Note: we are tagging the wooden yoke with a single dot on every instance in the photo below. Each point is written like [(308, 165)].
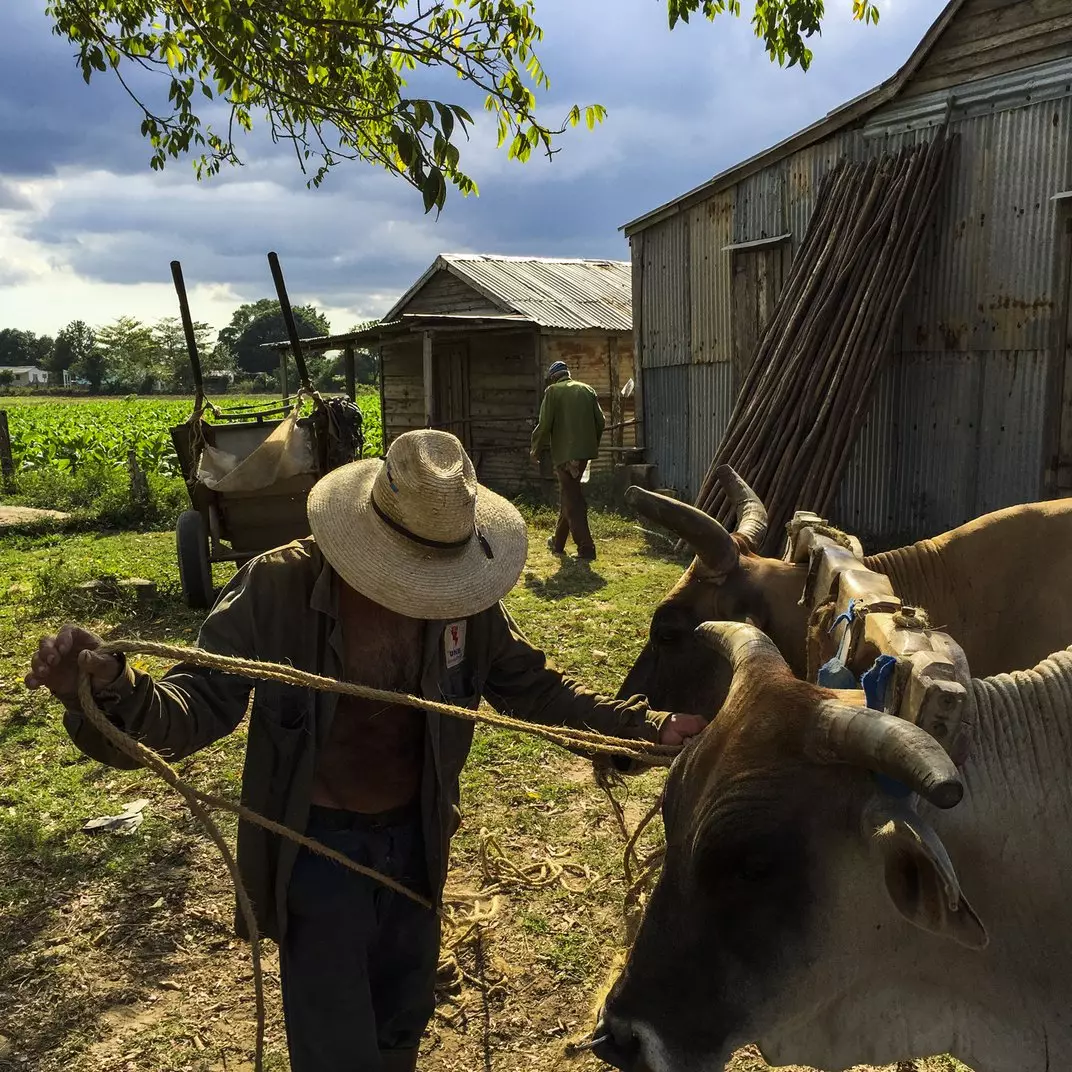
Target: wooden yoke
[(929, 685)]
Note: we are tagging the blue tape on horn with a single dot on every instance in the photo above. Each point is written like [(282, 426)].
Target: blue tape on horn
[(875, 682)]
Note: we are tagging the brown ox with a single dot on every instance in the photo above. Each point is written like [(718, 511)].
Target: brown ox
[(802, 908), (1000, 585)]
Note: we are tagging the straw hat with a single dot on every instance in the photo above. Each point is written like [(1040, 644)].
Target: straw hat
[(416, 533)]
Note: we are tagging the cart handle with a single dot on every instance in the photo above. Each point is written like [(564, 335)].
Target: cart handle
[(188, 331), (288, 319)]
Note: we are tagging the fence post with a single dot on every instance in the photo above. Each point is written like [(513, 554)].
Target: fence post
[(7, 462)]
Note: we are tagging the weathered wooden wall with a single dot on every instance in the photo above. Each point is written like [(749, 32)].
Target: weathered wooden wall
[(502, 373), (504, 400), (989, 37), (447, 294), (403, 387), (605, 363)]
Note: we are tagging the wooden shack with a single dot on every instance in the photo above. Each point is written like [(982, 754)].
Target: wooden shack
[(467, 346)]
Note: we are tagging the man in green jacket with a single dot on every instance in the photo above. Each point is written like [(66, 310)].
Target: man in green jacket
[(399, 588), (571, 425)]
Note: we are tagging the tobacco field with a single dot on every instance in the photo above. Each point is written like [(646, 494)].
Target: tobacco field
[(70, 434)]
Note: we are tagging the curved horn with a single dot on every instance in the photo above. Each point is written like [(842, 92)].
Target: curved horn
[(751, 513), (886, 745), (709, 541), (738, 642)]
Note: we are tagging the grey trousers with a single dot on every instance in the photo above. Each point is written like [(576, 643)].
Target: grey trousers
[(358, 962)]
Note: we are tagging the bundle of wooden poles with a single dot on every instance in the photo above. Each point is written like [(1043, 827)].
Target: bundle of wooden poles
[(807, 390)]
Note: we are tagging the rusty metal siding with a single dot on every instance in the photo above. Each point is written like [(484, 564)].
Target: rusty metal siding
[(710, 281), (712, 390), (986, 279), (552, 292), (948, 437), (956, 421), (666, 403), (759, 208), (665, 326)]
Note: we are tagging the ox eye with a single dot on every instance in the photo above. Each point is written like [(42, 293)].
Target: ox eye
[(669, 630)]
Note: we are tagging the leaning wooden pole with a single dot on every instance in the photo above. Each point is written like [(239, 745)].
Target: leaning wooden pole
[(807, 390)]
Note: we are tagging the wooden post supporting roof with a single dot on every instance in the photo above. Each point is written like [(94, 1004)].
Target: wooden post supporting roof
[(429, 387)]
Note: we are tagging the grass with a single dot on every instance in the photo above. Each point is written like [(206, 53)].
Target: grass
[(70, 454), (116, 954)]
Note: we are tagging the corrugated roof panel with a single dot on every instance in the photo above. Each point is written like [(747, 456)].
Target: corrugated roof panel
[(566, 294)]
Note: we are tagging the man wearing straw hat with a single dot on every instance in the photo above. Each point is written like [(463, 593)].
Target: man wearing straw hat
[(571, 425), (398, 588)]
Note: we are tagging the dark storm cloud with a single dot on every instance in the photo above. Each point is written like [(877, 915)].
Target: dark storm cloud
[(682, 107)]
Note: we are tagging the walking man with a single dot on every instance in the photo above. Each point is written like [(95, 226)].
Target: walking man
[(399, 588), (571, 425)]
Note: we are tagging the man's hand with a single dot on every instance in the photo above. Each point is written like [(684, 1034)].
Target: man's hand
[(677, 729), (56, 662)]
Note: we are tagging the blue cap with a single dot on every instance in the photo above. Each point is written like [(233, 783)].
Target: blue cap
[(558, 368)]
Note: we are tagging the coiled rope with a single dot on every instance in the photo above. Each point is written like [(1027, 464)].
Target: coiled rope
[(200, 802)]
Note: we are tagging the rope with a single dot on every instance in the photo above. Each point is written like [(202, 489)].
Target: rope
[(199, 801), (597, 743)]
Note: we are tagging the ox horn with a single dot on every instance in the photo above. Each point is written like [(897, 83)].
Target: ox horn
[(751, 513), (886, 745), (738, 642), (709, 541)]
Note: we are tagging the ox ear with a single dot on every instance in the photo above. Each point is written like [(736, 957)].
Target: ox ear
[(919, 875)]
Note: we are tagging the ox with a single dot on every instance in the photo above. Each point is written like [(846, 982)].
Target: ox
[(802, 908), (1000, 585)]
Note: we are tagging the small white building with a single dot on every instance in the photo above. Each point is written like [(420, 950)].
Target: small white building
[(25, 375)]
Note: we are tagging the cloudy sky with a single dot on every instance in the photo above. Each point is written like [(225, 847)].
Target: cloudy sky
[(87, 230)]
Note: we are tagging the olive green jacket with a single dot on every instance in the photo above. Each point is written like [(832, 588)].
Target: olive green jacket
[(571, 423), (283, 607)]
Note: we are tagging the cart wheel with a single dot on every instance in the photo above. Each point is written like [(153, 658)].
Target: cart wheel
[(195, 570)]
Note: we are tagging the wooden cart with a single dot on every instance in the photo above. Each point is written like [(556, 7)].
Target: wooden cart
[(234, 524)]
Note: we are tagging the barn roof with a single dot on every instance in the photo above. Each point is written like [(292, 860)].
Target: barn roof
[(854, 110), (553, 292)]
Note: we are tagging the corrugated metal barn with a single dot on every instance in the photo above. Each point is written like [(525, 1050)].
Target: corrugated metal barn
[(467, 346), (973, 410)]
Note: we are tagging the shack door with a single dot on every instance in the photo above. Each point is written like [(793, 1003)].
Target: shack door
[(452, 388), (758, 275)]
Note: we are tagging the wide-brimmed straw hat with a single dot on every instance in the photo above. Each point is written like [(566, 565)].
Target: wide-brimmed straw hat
[(416, 533)]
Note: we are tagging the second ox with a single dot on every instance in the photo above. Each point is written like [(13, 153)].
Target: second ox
[(1000, 585)]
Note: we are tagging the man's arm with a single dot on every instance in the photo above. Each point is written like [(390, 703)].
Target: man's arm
[(541, 434), (522, 684), (190, 707)]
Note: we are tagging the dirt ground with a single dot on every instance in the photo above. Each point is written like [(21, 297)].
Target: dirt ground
[(11, 516)]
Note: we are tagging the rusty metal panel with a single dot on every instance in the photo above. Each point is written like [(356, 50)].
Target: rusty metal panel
[(666, 301), (760, 205), (712, 391), (710, 231), (948, 437), (1011, 443), (986, 278), (553, 292), (666, 409)]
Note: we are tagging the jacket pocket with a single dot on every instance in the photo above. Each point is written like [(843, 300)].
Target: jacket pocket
[(283, 707)]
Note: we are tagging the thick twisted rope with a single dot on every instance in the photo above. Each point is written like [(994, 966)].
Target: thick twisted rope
[(199, 802)]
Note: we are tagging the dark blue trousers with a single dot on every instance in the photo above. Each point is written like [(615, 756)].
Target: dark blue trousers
[(358, 962)]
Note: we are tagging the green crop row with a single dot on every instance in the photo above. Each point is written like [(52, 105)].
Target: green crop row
[(67, 435)]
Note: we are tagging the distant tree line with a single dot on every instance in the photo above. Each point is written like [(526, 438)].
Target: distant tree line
[(129, 356)]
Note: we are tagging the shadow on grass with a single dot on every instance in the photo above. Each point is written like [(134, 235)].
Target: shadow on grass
[(91, 923), (574, 578), (79, 907)]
